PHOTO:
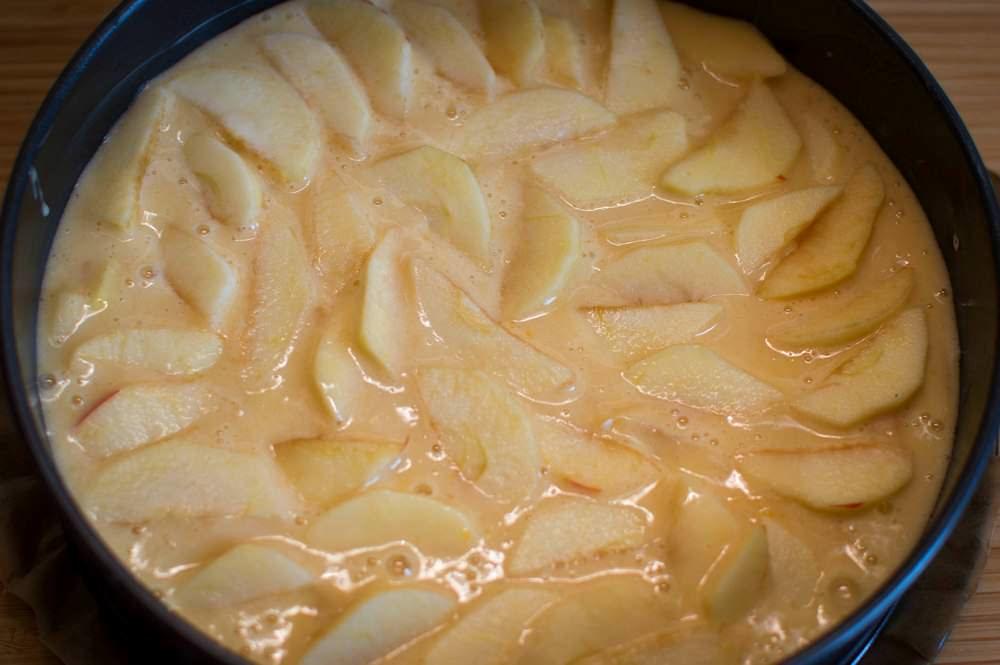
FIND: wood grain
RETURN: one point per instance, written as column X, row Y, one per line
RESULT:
column 959, row 39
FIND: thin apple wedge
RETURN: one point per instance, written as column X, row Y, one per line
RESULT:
column 690, row 647
column 564, row 52
column 199, row 274
column 634, row 332
column 835, row 478
column 229, row 186
column 450, row 46
column 759, row 137
column 531, row 118
column 596, row 464
column 884, row 376
column 338, row 377
column 382, row 517
column 664, row 275
column 733, row 585
column 325, row 79
column 698, row 377
column 244, row 573
column 110, row 187
column 703, row 529
column 643, row 70
column 383, row 332
column 141, row 414
column 324, row 470
column 768, row 227
column 489, row 633
column 461, row 326
column 375, row 45
column 848, row 321
column 515, row 38
column 483, row 429
column 445, row 189
column 262, row 111
column 562, row 529
column 185, row 479
column 167, row 350
column 343, row 233
column 725, row 46
column 831, row 249
column 794, row 571
column 72, row 308
column 619, row 167
column 822, row 148
column 548, row 251
column 378, row 625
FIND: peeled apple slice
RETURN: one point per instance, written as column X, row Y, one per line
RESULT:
column 343, row 232
column 848, row 321
column 531, row 118
column 734, row 583
column 450, row 46
column 836, row 478
column 619, row 167
column 445, row 189
column 244, row 573
column 262, row 112
column 376, row 626
column 724, row 46
column 199, row 274
column 822, row 147
column 563, row 529
column 703, row 529
column 515, row 37
column 634, row 332
column 884, row 376
column 167, row 350
column 831, row 249
column 759, row 137
column 548, row 251
column 184, row 479
column 324, row 470
column 141, row 414
column 338, row 378
column 484, row 429
column 228, row 184
column 698, row 377
column 325, row 79
column 72, row 308
column 564, row 52
column 643, row 71
column 768, row 227
column 382, row 517
column 383, row 322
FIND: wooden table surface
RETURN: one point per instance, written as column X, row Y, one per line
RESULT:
column 959, row 39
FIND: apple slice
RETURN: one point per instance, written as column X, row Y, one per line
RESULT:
column 564, row 53
column 881, row 378
column 822, row 147
column 109, row 188
column 768, row 227
column 562, row 529
column 831, row 250
column 733, row 585
column 325, row 79
column 703, row 529
column 483, row 429
column 450, row 46
column 643, row 70
column 167, row 350
column 445, row 189
column 281, row 295
column 593, row 463
column 549, row 249
column 847, row 321
column 664, row 275
column 683, row 645
column 722, row 45
column 325, row 470
column 343, row 232
column 383, row 321
column 199, row 274
column 515, row 38
column 634, row 332
column 381, row 517
column 141, row 414
column 759, row 137
column 185, row 479
column 375, row 45
column 620, row 167
column 338, row 377
column 378, row 625
column 244, row 573
column 72, row 308
column 531, row 119
column 700, row 378
column 490, row 633
column 793, row 570
column 230, row 187
column 462, row 326
column 262, row 112
column 835, row 478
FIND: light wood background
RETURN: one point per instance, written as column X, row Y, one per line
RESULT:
column 959, row 39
